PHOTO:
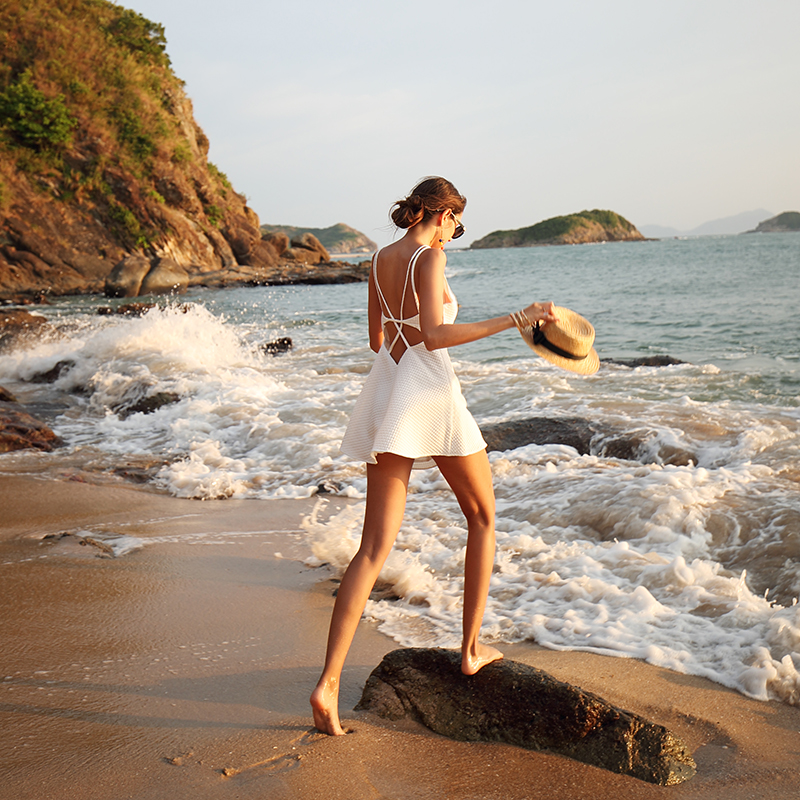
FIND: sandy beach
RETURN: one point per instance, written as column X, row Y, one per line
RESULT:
column 182, row 669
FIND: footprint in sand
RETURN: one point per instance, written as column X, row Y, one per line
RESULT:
column 278, row 763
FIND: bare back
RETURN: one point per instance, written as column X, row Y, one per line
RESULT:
column 396, row 274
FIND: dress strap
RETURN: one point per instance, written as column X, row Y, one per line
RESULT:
column 412, row 264
column 384, row 304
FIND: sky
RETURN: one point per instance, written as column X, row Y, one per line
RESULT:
column 672, row 112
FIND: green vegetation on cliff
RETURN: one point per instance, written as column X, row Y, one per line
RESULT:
column 339, row 238
column 100, row 154
column 86, row 87
column 587, row 226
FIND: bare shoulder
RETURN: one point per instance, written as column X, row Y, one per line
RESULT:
column 432, row 259
column 430, row 269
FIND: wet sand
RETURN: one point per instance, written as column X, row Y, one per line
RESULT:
column 183, row 669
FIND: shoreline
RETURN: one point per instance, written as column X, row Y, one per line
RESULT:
column 287, row 273
column 183, row 669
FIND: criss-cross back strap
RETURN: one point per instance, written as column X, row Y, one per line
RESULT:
column 398, row 323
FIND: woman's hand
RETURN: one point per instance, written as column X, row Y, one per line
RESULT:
column 544, row 312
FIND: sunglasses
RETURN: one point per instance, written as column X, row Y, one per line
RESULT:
column 459, row 231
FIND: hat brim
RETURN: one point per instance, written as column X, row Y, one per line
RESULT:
column 585, row 366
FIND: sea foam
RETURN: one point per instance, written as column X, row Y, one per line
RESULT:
column 686, row 553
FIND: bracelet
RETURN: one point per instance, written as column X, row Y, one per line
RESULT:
column 520, row 319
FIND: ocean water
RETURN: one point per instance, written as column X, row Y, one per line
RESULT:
column 690, row 563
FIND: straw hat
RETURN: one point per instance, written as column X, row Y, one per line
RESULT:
column 567, row 342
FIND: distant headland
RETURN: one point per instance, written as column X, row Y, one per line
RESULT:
column 338, row 239
column 787, row 222
column 584, row 227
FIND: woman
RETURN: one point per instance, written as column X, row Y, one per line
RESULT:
column 411, row 413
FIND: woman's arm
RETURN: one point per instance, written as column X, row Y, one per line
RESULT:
column 435, row 333
column 374, row 313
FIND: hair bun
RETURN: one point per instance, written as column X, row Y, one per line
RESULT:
column 408, row 212
column 427, row 197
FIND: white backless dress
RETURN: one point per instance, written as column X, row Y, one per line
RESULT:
column 413, row 407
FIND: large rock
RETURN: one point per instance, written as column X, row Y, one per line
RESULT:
column 125, row 280
column 242, row 237
column 20, row 431
column 166, row 277
column 571, row 431
column 136, row 275
column 308, row 241
column 523, row 706
column 588, row 438
column 262, row 256
column 279, row 241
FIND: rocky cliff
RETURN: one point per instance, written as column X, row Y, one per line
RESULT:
column 787, row 222
column 101, row 159
column 582, row 228
column 338, row 239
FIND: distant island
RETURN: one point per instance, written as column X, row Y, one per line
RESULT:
column 337, row 239
column 582, row 228
column 787, row 222
column 724, row 226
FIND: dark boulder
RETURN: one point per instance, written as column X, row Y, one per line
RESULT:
column 588, row 438
column 523, row 706
column 145, row 405
column 645, row 361
column 571, row 431
column 282, row 345
column 54, row 373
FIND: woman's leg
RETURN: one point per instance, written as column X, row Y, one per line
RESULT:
column 470, row 478
column 387, row 485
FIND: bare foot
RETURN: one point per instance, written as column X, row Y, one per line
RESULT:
column 472, row 662
column 325, row 705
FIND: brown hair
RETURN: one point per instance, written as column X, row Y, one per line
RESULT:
column 427, row 197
